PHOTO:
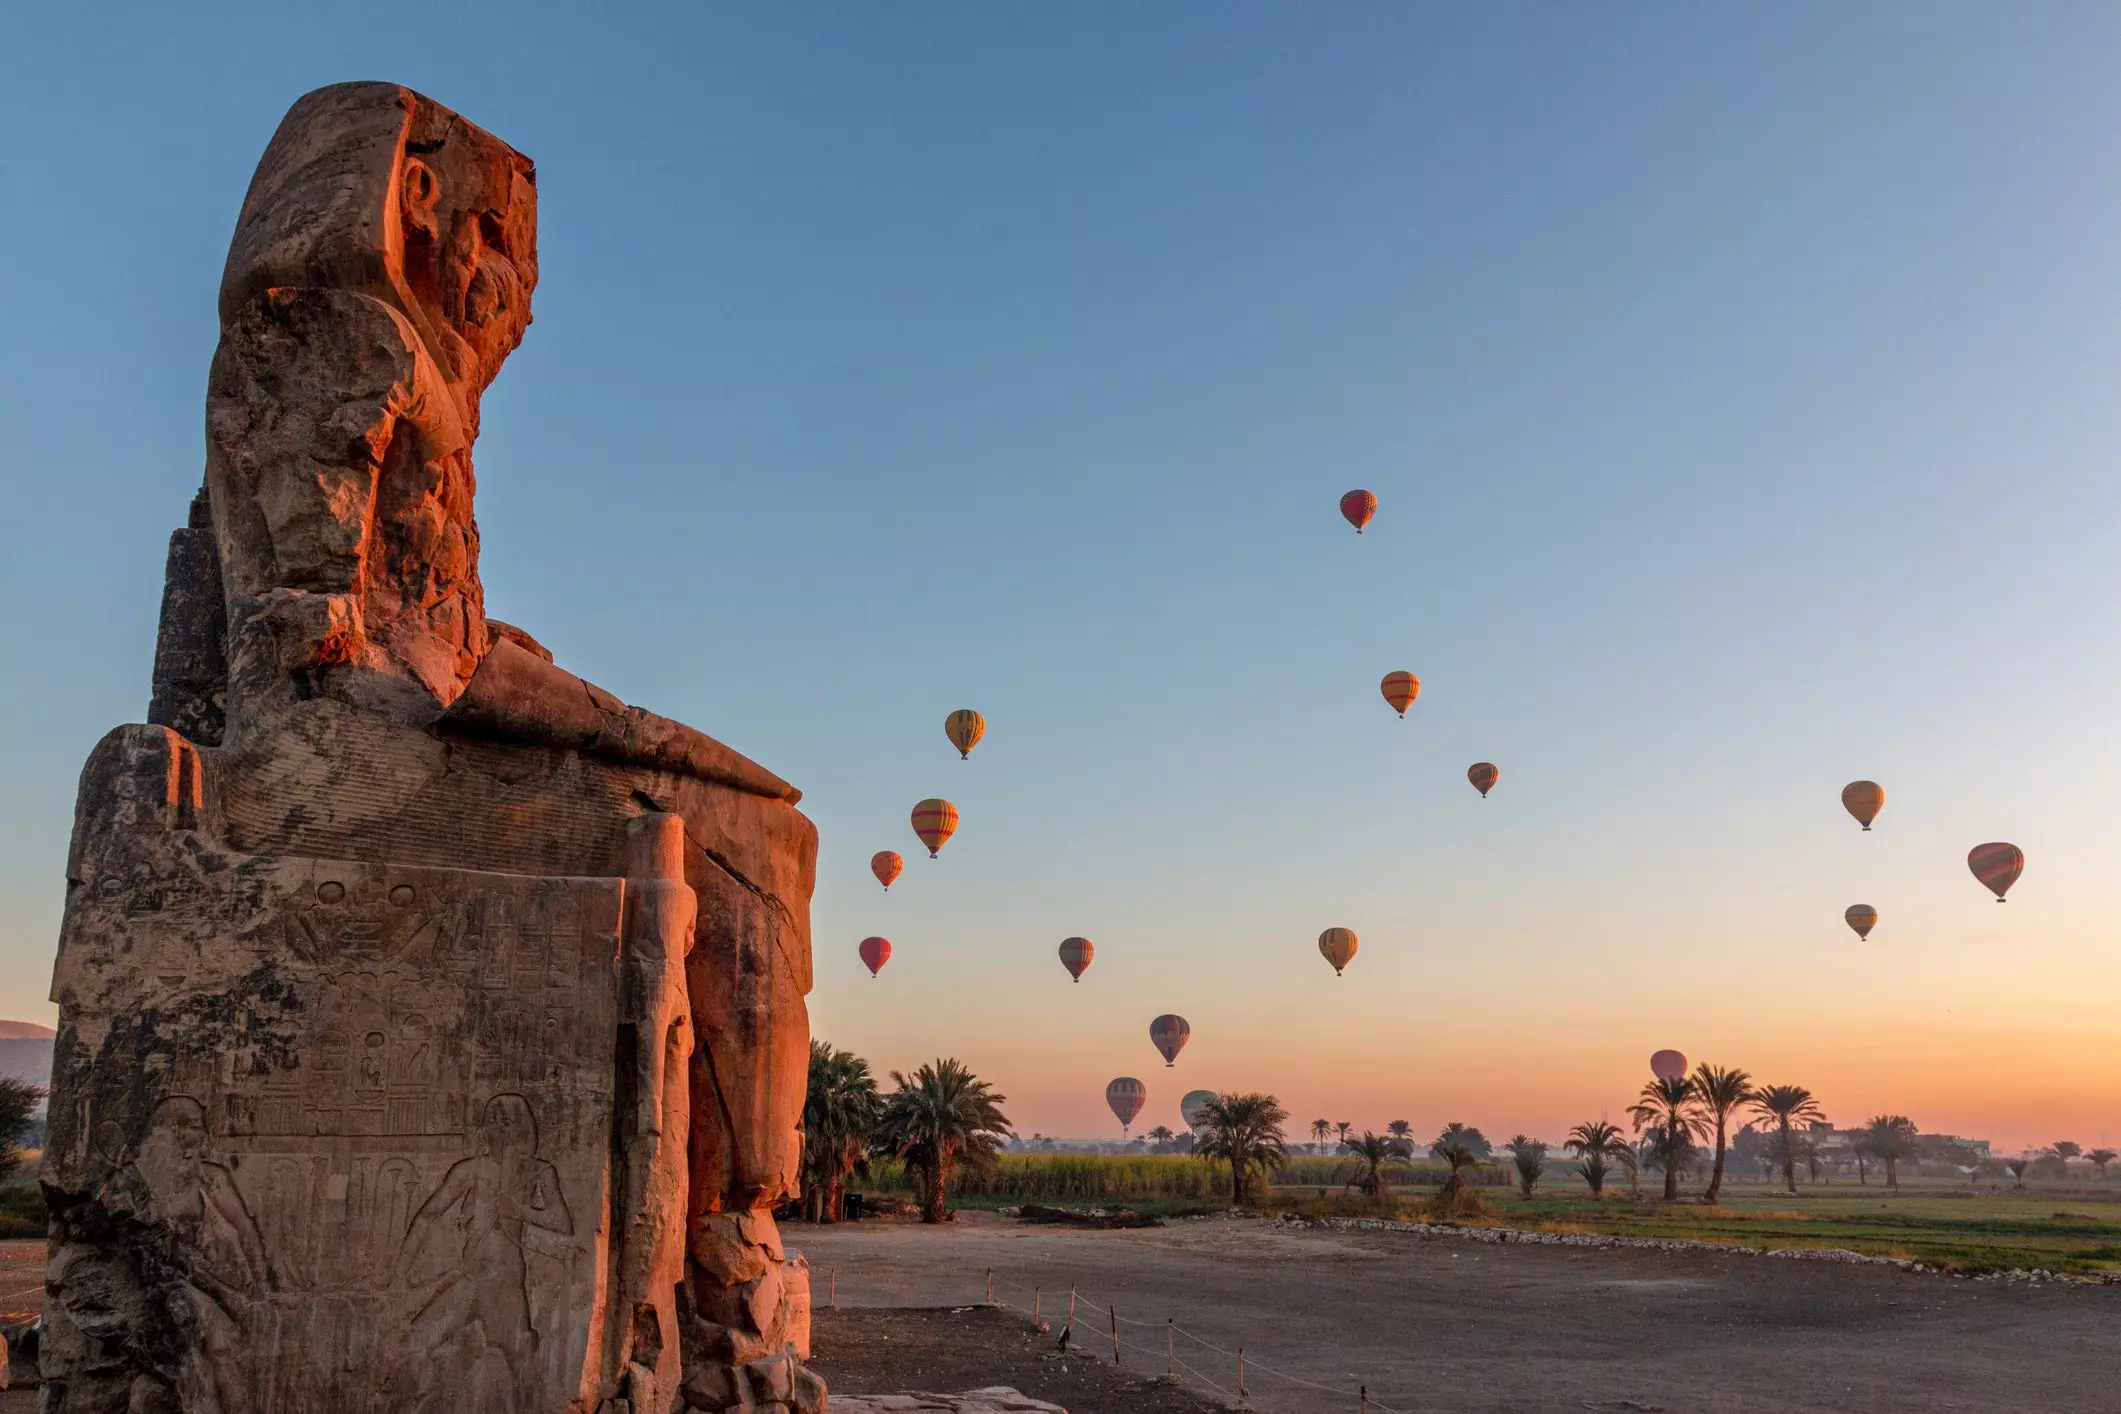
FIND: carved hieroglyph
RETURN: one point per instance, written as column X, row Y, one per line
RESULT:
column 432, row 1031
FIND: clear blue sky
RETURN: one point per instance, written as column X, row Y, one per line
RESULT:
column 1739, row 386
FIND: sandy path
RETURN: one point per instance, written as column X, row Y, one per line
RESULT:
column 1435, row 1323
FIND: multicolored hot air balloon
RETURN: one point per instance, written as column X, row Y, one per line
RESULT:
column 1862, row 917
column 1668, row 1065
column 1075, row 955
column 1169, row 1033
column 875, row 953
column 1126, row 1096
column 1400, row 689
column 1194, row 1108
column 1997, row 866
column 1357, row 507
column 1337, row 946
column 1863, row 799
column 1483, row 775
column 885, row 864
column 935, row 821
column 964, row 727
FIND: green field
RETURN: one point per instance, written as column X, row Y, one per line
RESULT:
column 2074, row 1229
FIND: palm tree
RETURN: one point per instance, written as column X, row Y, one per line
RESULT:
column 1720, row 1090
column 2017, row 1168
column 1671, row 1111
column 1593, row 1142
column 1345, row 1129
column 942, row 1117
column 1245, row 1130
column 1320, row 1128
column 1462, row 1147
column 1161, row 1137
column 1891, row 1138
column 1400, row 1130
column 1372, row 1152
column 839, row 1115
column 2100, row 1158
column 1787, row 1105
column 2065, row 1150
column 1530, row 1157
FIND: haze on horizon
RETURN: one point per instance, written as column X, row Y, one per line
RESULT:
column 1738, row 387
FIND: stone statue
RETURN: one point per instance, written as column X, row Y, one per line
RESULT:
column 432, row 1032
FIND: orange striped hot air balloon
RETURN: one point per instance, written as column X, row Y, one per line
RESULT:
column 1126, row 1096
column 885, row 864
column 1337, row 946
column 1169, row 1033
column 935, row 821
column 1075, row 955
column 964, row 727
column 1483, row 775
column 1357, row 507
column 1997, row 866
column 1862, row 917
column 1400, row 689
column 875, row 953
column 1863, row 799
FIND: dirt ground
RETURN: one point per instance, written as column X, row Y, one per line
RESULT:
column 1444, row 1324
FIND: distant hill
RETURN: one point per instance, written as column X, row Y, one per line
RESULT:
column 26, row 1051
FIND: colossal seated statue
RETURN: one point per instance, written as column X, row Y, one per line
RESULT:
column 432, row 1032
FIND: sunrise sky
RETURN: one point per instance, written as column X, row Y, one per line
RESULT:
column 1740, row 388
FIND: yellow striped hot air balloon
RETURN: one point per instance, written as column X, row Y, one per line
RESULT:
column 1862, row 917
column 935, row 821
column 886, row 864
column 964, row 727
column 1400, row 689
column 1337, row 946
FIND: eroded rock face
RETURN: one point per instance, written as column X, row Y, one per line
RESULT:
column 432, row 1032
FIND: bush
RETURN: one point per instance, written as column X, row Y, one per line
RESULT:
column 22, row 1211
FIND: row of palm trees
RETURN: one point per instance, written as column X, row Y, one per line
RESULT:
column 940, row 1117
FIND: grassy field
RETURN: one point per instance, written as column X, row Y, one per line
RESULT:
column 2074, row 1229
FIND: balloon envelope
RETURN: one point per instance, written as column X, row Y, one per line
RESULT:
column 964, row 727
column 1668, row 1065
column 1862, row 917
column 1357, row 507
column 1169, row 1034
column 1075, row 955
column 1126, row 1096
column 875, row 953
column 1400, row 689
column 1863, row 799
column 1997, row 866
column 1337, row 946
column 1194, row 1108
column 935, row 821
column 885, row 864
column 1483, row 775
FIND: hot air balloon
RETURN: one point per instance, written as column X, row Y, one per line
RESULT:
column 935, row 821
column 1357, row 507
column 1075, row 955
column 1863, row 799
column 1194, row 1108
column 1483, row 775
column 1400, row 689
column 1668, row 1065
column 1337, row 946
column 1169, row 1034
column 964, row 727
column 1126, row 1096
column 875, row 953
column 885, row 864
column 1997, row 866
column 1862, row 917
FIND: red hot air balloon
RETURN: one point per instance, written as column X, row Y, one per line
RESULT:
column 1126, row 1096
column 885, row 864
column 1483, row 775
column 1169, row 1034
column 1997, row 866
column 1075, row 955
column 875, row 953
column 1357, row 507
column 1668, row 1065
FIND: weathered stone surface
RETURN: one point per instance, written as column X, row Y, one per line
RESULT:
column 998, row 1399
column 432, row 1032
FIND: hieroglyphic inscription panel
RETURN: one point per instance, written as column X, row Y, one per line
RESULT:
column 373, row 1106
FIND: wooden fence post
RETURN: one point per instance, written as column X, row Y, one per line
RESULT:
column 1114, row 1314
